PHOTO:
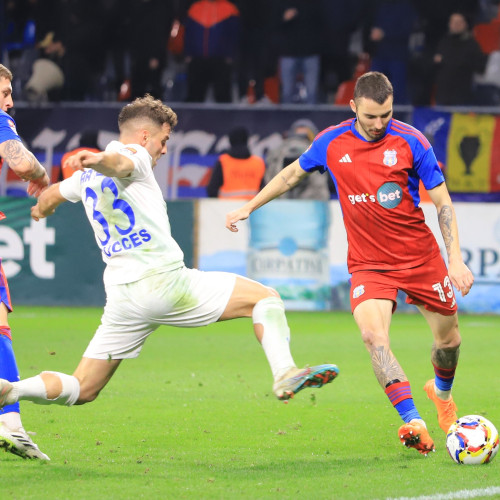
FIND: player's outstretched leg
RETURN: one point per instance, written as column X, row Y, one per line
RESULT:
column 414, row 434
column 296, row 379
column 446, row 409
column 18, row 442
column 271, row 328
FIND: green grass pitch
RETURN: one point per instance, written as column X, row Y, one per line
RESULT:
column 194, row 416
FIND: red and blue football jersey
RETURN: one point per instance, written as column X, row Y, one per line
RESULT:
column 377, row 184
column 7, row 132
column 7, row 128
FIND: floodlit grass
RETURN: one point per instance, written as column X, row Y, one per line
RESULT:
column 194, row 416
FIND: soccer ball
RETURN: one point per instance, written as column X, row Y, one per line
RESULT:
column 472, row 440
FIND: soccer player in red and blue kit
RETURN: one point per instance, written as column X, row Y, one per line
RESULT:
column 13, row 437
column 376, row 163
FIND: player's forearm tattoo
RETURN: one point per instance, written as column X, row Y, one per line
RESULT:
column 22, row 161
column 445, row 358
column 386, row 366
column 445, row 218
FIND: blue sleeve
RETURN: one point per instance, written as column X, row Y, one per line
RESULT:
column 427, row 168
column 314, row 158
column 7, row 128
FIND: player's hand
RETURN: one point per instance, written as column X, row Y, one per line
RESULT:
column 461, row 277
column 233, row 217
column 36, row 186
column 83, row 159
column 37, row 214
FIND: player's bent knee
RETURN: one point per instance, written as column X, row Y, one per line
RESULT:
column 371, row 338
column 68, row 388
column 87, row 395
column 85, row 400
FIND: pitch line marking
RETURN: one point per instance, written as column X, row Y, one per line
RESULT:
column 462, row 494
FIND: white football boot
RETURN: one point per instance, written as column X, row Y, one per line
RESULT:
column 19, row 443
column 16, row 441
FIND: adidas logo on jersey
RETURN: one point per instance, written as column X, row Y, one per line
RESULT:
column 345, row 159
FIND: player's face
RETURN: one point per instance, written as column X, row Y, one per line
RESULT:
column 6, row 101
column 372, row 118
column 157, row 142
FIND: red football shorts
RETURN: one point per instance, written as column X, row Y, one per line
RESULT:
column 428, row 285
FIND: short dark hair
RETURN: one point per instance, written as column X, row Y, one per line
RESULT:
column 373, row 85
column 149, row 108
column 5, row 72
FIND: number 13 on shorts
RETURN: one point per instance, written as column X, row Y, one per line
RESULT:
column 445, row 290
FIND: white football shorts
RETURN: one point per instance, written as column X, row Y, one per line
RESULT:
column 184, row 297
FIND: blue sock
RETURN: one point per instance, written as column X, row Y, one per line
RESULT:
column 444, row 377
column 407, row 410
column 8, row 365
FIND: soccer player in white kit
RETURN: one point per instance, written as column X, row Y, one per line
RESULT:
column 146, row 281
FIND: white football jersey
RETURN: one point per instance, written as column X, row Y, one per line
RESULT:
column 128, row 216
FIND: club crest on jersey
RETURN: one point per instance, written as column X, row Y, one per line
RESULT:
column 390, row 157
column 358, row 291
column 12, row 126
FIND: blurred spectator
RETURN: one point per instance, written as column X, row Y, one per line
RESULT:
column 257, row 59
column 148, row 28
column 434, row 17
column 211, row 45
column 25, row 24
column 299, row 49
column 17, row 41
column 458, row 57
column 389, row 28
column 296, row 140
column 47, row 75
column 69, row 37
column 237, row 173
column 13, row 20
column 340, row 19
column 88, row 142
column 83, row 41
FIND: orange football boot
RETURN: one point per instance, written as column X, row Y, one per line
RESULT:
column 447, row 409
column 414, row 435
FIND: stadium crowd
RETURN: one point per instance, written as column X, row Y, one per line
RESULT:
column 252, row 51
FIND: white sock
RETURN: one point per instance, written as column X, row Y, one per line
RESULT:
column 444, row 395
column 419, row 421
column 270, row 313
column 34, row 390
column 11, row 420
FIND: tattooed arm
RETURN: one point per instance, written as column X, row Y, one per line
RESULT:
column 282, row 182
column 25, row 165
column 459, row 273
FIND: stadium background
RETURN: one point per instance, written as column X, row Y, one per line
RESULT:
column 56, row 262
